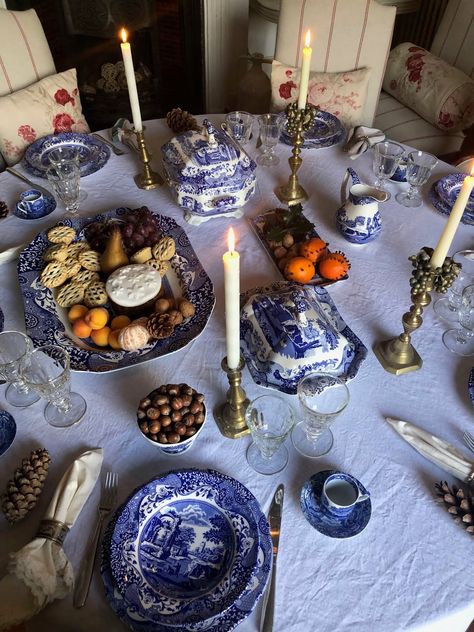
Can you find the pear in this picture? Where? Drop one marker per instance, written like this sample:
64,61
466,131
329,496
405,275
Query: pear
114,255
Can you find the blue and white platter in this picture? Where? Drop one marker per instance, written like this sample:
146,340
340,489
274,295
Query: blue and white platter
94,153
445,208
322,519
448,190
190,551
326,132
46,322
50,204
7,431
470,385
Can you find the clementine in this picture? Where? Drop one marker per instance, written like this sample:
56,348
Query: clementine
313,249
334,266
299,269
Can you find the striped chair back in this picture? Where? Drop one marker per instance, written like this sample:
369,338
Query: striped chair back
454,39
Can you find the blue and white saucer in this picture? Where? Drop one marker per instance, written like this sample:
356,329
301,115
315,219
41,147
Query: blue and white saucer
325,522
443,207
7,431
49,202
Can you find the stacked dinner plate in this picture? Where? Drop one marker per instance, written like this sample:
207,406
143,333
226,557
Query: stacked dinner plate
444,192
326,132
189,551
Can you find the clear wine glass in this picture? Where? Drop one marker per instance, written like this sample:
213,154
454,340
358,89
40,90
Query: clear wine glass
48,373
270,419
15,349
420,164
447,307
65,179
240,125
67,153
270,130
387,156
322,398
461,340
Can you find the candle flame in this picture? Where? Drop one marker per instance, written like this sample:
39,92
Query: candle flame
124,35
472,169
231,240
307,39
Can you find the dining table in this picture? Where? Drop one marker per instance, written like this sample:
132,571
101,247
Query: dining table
411,567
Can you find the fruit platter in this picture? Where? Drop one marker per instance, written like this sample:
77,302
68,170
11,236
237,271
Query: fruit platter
114,290
296,248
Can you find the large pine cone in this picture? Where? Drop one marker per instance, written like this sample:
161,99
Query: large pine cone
24,489
181,121
160,326
3,209
459,504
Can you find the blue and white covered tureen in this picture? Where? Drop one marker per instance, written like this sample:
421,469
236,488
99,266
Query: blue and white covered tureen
209,172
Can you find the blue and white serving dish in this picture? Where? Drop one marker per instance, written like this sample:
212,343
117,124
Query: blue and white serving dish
49,206
47,323
209,173
326,132
7,431
288,330
190,550
326,522
94,153
448,189
445,208
470,385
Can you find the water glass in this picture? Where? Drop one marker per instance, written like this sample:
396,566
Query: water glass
447,307
15,350
322,398
65,179
419,167
64,153
48,373
461,340
387,156
270,130
240,125
270,419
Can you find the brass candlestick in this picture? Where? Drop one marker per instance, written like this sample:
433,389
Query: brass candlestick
230,417
398,355
148,179
299,121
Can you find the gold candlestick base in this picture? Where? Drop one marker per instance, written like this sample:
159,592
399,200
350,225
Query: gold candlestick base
230,417
148,179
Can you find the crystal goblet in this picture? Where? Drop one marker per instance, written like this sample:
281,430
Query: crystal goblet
419,167
270,419
322,398
65,179
15,350
447,307
461,340
48,373
270,130
67,153
387,156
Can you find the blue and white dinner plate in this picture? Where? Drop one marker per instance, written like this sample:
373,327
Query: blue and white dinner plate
7,431
445,208
326,132
46,321
325,522
94,153
470,385
448,189
49,202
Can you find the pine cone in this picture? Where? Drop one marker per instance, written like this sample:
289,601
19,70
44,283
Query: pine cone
459,504
24,489
160,326
181,121
3,209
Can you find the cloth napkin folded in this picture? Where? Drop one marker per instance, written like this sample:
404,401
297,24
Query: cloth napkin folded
361,138
122,132
40,572
443,454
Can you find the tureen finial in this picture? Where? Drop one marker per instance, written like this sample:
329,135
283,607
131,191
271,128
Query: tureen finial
210,132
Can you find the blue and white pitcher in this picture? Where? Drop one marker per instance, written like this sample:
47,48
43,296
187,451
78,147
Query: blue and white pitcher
359,219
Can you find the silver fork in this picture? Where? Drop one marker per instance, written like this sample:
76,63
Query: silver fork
117,151
468,439
108,497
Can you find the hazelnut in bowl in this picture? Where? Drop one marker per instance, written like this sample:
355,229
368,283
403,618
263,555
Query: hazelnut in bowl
171,417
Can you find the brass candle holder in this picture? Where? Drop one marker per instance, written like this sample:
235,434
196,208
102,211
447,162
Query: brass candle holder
398,355
230,417
298,121
149,179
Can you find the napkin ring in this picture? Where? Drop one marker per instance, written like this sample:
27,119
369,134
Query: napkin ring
53,530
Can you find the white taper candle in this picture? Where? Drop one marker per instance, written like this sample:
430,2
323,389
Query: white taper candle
231,260
305,68
131,82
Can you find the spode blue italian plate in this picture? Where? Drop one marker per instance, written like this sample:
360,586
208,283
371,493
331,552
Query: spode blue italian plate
47,323
326,132
445,208
94,153
448,189
7,431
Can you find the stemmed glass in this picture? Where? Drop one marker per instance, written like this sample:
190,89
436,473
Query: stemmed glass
447,307
15,350
67,153
270,419
387,156
322,398
65,179
461,340
240,125
419,167
48,373
270,130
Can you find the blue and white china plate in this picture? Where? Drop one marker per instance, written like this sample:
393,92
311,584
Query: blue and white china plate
49,202
46,322
181,572
7,431
326,132
94,153
325,522
448,189
470,385
445,208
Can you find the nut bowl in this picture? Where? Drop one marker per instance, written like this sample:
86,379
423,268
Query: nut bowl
171,417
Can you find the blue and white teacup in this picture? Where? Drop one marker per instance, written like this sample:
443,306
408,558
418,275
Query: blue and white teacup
32,204
341,493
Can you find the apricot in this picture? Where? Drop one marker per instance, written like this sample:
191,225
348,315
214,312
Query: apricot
113,338
81,329
77,311
97,317
119,322
101,336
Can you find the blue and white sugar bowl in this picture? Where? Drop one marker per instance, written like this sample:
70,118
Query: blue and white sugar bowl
210,174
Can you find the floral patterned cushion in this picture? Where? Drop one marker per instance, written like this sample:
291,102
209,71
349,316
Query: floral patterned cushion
340,93
438,92
49,106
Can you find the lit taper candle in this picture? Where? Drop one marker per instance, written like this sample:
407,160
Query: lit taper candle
131,82
305,68
231,260
447,236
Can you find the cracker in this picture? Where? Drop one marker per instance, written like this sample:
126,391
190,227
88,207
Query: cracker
164,249
84,277
72,267
95,294
90,260
61,234
54,274
77,247
161,266
56,252
70,294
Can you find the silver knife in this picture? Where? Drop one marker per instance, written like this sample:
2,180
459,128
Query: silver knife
274,518
33,185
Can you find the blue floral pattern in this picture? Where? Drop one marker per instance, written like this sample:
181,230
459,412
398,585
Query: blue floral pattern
448,190
7,431
326,132
445,208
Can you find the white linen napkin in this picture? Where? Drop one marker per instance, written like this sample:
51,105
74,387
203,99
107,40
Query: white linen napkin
361,138
122,132
40,572
443,454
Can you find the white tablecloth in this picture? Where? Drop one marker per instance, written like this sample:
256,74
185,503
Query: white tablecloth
412,564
